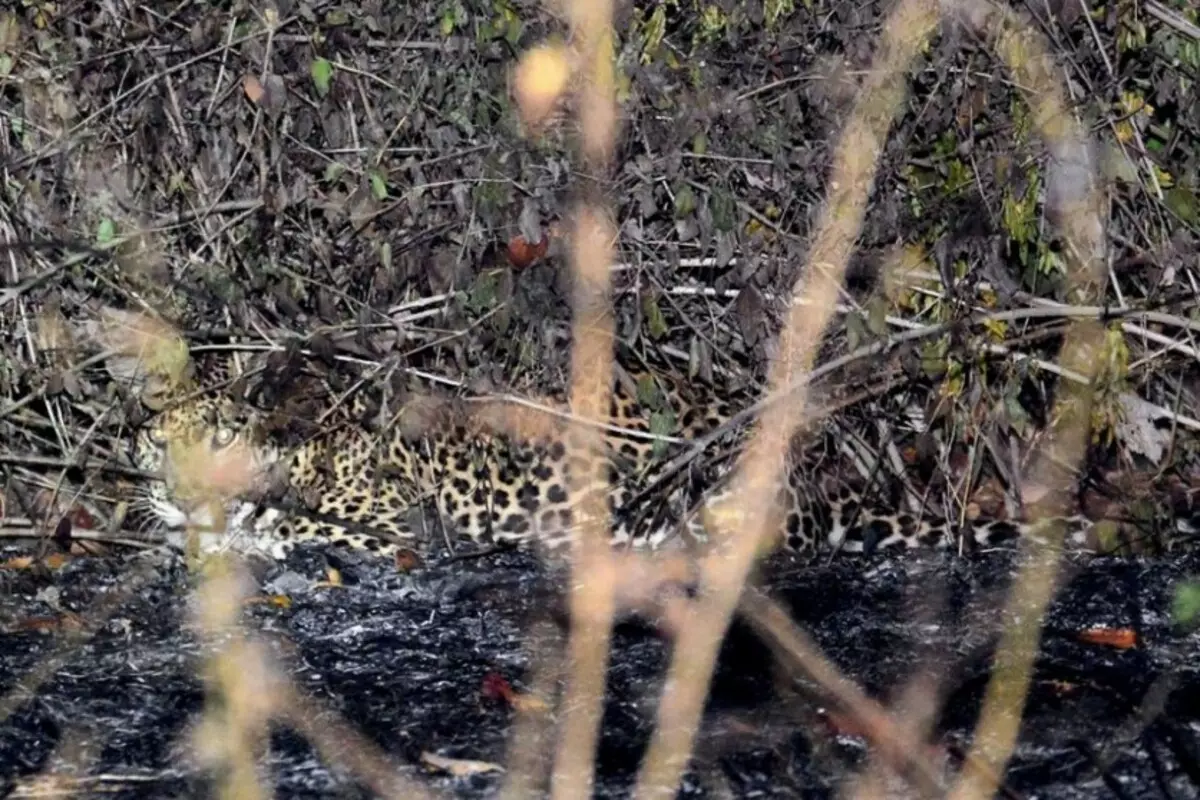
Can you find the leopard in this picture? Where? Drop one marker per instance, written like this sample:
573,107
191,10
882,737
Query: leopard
495,486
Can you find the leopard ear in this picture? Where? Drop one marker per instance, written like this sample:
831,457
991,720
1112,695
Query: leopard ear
141,351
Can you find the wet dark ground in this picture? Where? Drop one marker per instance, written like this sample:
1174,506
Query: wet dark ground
407,660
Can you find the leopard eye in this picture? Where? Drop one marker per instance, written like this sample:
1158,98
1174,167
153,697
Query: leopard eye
158,436
223,437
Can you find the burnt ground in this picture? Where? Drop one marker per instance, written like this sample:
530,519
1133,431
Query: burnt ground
411,659
341,183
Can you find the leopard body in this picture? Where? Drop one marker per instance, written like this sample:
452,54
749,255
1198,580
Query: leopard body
495,485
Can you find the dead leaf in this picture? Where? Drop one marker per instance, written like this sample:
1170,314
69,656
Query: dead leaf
530,703
1120,638
80,518
50,624
333,579
406,560
1137,430
497,687
522,254
253,89
54,335
275,600
459,767
145,352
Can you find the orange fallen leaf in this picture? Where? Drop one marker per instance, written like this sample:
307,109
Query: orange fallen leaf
1120,638
276,600
52,561
56,560
522,254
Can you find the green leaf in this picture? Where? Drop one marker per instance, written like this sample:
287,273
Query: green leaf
378,185
513,31
724,210
333,170
483,292
662,423
452,17
1183,203
106,232
647,392
877,309
656,323
685,201
322,75
933,361
856,330
1186,607
653,30
1018,418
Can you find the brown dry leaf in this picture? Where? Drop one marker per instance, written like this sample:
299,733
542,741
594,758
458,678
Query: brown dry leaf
84,547
530,703
1034,493
43,502
406,560
50,624
41,624
253,89
988,499
276,600
496,687
81,518
1138,429
54,335
459,767
750,310
333,579
148,352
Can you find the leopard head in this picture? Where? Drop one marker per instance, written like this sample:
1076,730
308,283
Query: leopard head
206,454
